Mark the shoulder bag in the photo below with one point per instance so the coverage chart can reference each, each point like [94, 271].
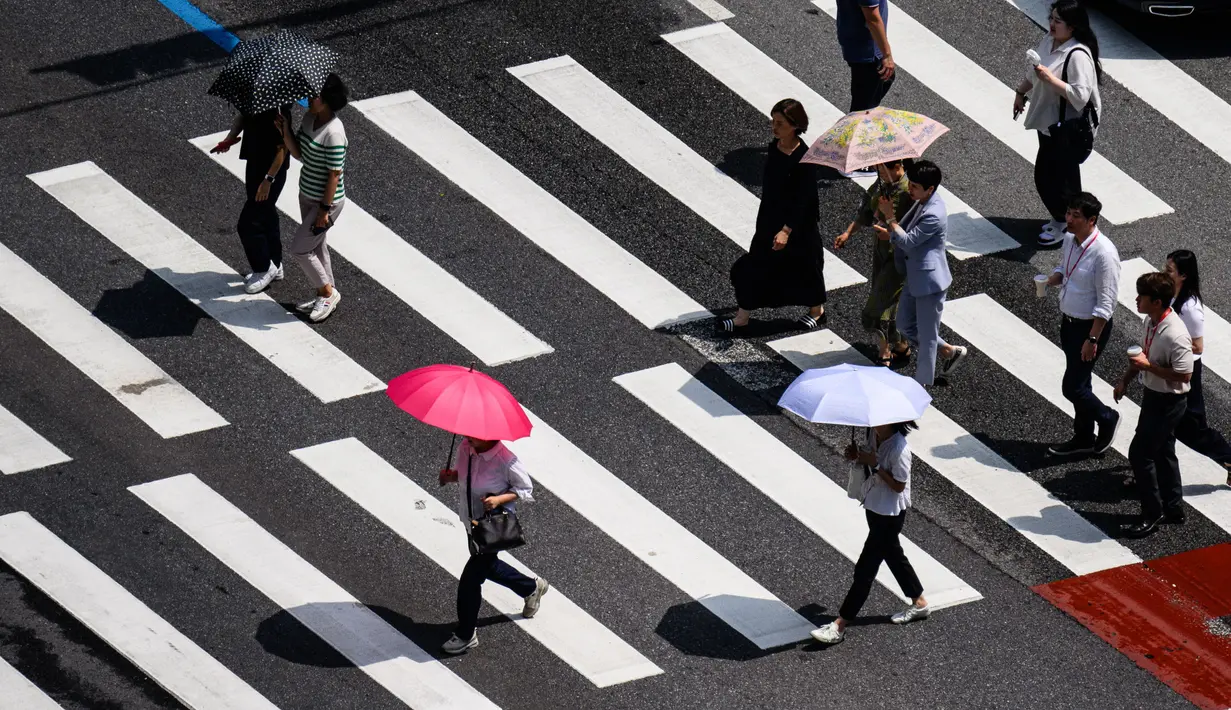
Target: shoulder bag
[1076, 135]
[497, 530]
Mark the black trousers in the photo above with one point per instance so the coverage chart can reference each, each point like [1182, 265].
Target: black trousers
[478, 569]
[258, 226]
[1194, 432]
[1152, 453]
[1057, 177]
[882, 545]
[867, 87]
[1076, 387]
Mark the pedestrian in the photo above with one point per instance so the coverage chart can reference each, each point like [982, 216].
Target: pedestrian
[1089, 279]
[490, 477]
[320, 144]
[919, 253]
[785, 264]
[863, 36]
[264, 156]
[880, 311]
[1164, 364]
[1193, 430]
[886, 496]
[1064, 83]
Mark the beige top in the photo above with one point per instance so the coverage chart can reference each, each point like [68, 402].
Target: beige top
[1169, 346]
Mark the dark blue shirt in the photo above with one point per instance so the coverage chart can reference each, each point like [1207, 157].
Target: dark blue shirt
[853, 34]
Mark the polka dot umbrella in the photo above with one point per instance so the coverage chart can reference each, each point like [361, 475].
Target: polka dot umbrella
[272, 71]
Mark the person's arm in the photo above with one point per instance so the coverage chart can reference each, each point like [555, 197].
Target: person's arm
[803, 196]
[1181, 369]
[262, 191]
[1121, 386]
[927, 229]
[887, 477]
[1106, 288]
[876, 26]
[289, 139]
[237, 127]
[520, 487]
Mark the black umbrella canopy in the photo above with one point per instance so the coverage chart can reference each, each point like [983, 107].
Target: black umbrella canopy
[272, 71]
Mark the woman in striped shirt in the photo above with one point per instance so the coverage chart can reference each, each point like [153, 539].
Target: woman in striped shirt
[320, 144]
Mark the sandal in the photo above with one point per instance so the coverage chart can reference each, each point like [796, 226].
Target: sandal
[900, 355]
[884, 361]
[812, 323]
[727, 326]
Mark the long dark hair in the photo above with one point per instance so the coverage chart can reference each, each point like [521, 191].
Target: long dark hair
[1186, 265]
[1075, 16]
[904, 428]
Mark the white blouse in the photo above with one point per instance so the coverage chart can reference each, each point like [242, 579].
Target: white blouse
[496, 471]
[1043, 109]
[894, 456]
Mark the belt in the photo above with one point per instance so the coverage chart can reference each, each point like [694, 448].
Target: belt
[1076, 320]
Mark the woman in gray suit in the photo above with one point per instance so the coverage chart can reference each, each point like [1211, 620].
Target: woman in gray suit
[919, 250]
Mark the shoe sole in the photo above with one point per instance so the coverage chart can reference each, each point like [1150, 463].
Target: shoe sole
[462, 650]
[957, 360]
[1074, 452]
[329, 312]
[1114, 430]
[829, 642]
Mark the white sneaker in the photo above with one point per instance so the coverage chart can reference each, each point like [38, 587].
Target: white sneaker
[859, 173]
[324, 306]
[531, 607]
[954, 360]
[911, 613]
[279, 274]
[307, 306]
[829, 633]
[260, 282]
[456, 645]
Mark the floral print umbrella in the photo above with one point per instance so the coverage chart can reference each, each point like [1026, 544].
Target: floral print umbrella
[867, 138]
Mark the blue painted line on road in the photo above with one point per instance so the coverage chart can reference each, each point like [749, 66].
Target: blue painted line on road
[199, 21]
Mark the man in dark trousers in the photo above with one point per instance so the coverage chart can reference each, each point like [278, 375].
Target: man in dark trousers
[864, 38]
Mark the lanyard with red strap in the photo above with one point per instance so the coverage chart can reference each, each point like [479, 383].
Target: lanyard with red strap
[1069, 271]
[1151, 331]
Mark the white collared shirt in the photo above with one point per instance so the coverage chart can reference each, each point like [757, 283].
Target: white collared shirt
[496, 471]
[1193, 316]
[1090, 281]
[1043, 110]
[894, 456]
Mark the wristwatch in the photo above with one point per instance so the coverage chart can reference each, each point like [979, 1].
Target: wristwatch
[1093, 339]
[269, 178]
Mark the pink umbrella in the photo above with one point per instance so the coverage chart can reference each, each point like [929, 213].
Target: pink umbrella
[873, 137]
[461, 401]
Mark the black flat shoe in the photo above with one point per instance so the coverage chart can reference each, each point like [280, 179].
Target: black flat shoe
[1142, 528]
[1175, 516]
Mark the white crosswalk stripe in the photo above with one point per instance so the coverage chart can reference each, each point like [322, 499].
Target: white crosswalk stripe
[981, 96]
[531, 210]
[100, 353]
[1039, 363]
[762, 82]
[22, 448]
[1185, 101]
[320, 604]
[780, 474]
[167, 656]
[18, 693]
[433, 527]
[712, 9]
[422, 284]
[991, 481]
[259, 321]
[656, 153]
[657, 540]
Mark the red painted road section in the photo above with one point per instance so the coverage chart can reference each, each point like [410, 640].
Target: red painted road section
[1158, 613]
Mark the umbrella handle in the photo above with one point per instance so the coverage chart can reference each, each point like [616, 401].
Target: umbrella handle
[449, 463]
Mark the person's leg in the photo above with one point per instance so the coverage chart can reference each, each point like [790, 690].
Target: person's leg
[1167, 466]
[1048, 179]
[864, 85]
[1194, 431]
[251, 228]
[304, 246]
[1068, 172]
[322, 250]
[505, 575]
[865, 568]
[927, 317]
[272, 227]
[1152, 433]
[896, 560]
[470, 593]
[1077, 383]
[882, 85]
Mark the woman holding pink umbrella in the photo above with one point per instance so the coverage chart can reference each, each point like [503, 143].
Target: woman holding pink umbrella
[490, 480]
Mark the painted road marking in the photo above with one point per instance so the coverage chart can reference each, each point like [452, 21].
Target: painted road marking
[317, 602]
[167, 656]
[761, 81]
[449, 304]
[712, 9]
[658, 540]
[433, 528]
[1039, 364]
[782, 475]
[985, 99]
[22, 448]
[19, 693]
[656, 153]
[1185, 101]
[205, 280]
[531, 210]
[969, 464]
[100, 353]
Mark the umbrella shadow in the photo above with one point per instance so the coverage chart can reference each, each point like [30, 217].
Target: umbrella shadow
[289, 634]
[150, 308]
[1055, 521]
[694, 630]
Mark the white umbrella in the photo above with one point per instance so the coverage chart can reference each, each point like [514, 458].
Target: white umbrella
[855, 395]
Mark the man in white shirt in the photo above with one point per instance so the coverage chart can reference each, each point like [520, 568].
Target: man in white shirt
[1089, 279]
[1165, 367]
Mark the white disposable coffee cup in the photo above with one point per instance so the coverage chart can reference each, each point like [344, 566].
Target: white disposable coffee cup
[1033, 57]
[1040, 285]
[1134, 350]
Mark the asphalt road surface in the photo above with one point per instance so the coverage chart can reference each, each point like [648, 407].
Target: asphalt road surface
[122, 85]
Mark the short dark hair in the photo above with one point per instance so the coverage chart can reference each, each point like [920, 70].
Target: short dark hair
[794, 113]
[1156, 286]
[334, 93]
[924, 172]
[1087, 204]
[904, 428]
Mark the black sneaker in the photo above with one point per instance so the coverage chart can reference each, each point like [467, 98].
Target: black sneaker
[1072, 447]
[1106, 434]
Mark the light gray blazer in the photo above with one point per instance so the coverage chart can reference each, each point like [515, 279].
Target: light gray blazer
[919, 247]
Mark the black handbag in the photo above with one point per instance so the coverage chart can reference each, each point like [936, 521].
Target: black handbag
[1076, 135]
[497, 530]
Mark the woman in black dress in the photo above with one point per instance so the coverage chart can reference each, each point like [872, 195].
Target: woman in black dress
[784, 266]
